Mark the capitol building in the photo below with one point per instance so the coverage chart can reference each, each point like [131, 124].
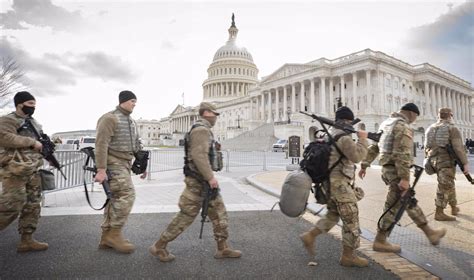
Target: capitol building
[372, 83]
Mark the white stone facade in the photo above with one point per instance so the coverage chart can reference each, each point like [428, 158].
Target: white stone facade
[372, 83]
[149, 131]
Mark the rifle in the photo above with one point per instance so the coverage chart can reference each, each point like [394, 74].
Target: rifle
[89, 151]
[407, 201]
[371, 135]
[208, 195]
[457, 161]
[48, 146]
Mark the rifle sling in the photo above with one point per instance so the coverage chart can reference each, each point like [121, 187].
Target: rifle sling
[87, 192]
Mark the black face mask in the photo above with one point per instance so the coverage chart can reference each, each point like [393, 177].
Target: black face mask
[28, 110]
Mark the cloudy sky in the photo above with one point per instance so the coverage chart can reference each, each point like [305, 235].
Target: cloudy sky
[78, 55]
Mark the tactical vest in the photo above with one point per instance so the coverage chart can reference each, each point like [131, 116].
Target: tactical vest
[125, 135]
[215, 154]
[22, 161]
[437, 135]
[386, 140]
[345, 167]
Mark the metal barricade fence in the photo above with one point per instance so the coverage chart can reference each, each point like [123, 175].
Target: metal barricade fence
[72, 163]
[163, 160]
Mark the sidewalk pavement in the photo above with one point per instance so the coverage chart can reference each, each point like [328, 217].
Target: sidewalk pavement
[268, 240]
[453, 259]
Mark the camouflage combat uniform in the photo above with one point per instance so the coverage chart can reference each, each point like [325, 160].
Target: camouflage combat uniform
[199, 163]
[190, 200]
[396, 158]
[343, 199]
[116, 142]
[20, 178]
[438, 135]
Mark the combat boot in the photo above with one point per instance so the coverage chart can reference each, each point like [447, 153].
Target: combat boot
[159, 250]
[454, 210]
[349, 259]
[224, 251]
[440, 216]
[27, 244]
[308, 239]
[102, 244]
[114, 239]
[434, 235]
[382, 245]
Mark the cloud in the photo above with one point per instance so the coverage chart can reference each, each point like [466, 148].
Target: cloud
[448, 42]
[51, 73]
[40, 13]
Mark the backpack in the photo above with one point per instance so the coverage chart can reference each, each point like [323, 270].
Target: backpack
[294, 193]
[315, 163]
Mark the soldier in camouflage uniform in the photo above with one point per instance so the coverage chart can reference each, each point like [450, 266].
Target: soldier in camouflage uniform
[438, 135]
[199, 153]
[20, 159]
[342, 203]
[396, 158]
[116, 142]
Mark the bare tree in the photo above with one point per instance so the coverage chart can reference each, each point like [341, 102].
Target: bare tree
[11, 75]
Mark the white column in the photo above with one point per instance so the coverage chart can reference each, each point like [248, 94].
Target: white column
[251, 109]
[222, 90]
[293, 98]
[331, 98]
[262, 109]
[353, 105]
[312, 96]
[427, 96]
[470, 110]
[277, 105]
[285, 103]
[433, 99]
[464, 108]
[257, 109]
[322, 96]
[302, 96]
[449, 102]
[438, 98]
[456, 107]
[382, 100]
[343, 92]
[394, 107]
[443, 95]
[269, 119]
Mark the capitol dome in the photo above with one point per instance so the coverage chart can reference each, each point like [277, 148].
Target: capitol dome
[231, 50]
[231, 72]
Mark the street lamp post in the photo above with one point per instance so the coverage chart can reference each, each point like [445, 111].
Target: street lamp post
[238, 121]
